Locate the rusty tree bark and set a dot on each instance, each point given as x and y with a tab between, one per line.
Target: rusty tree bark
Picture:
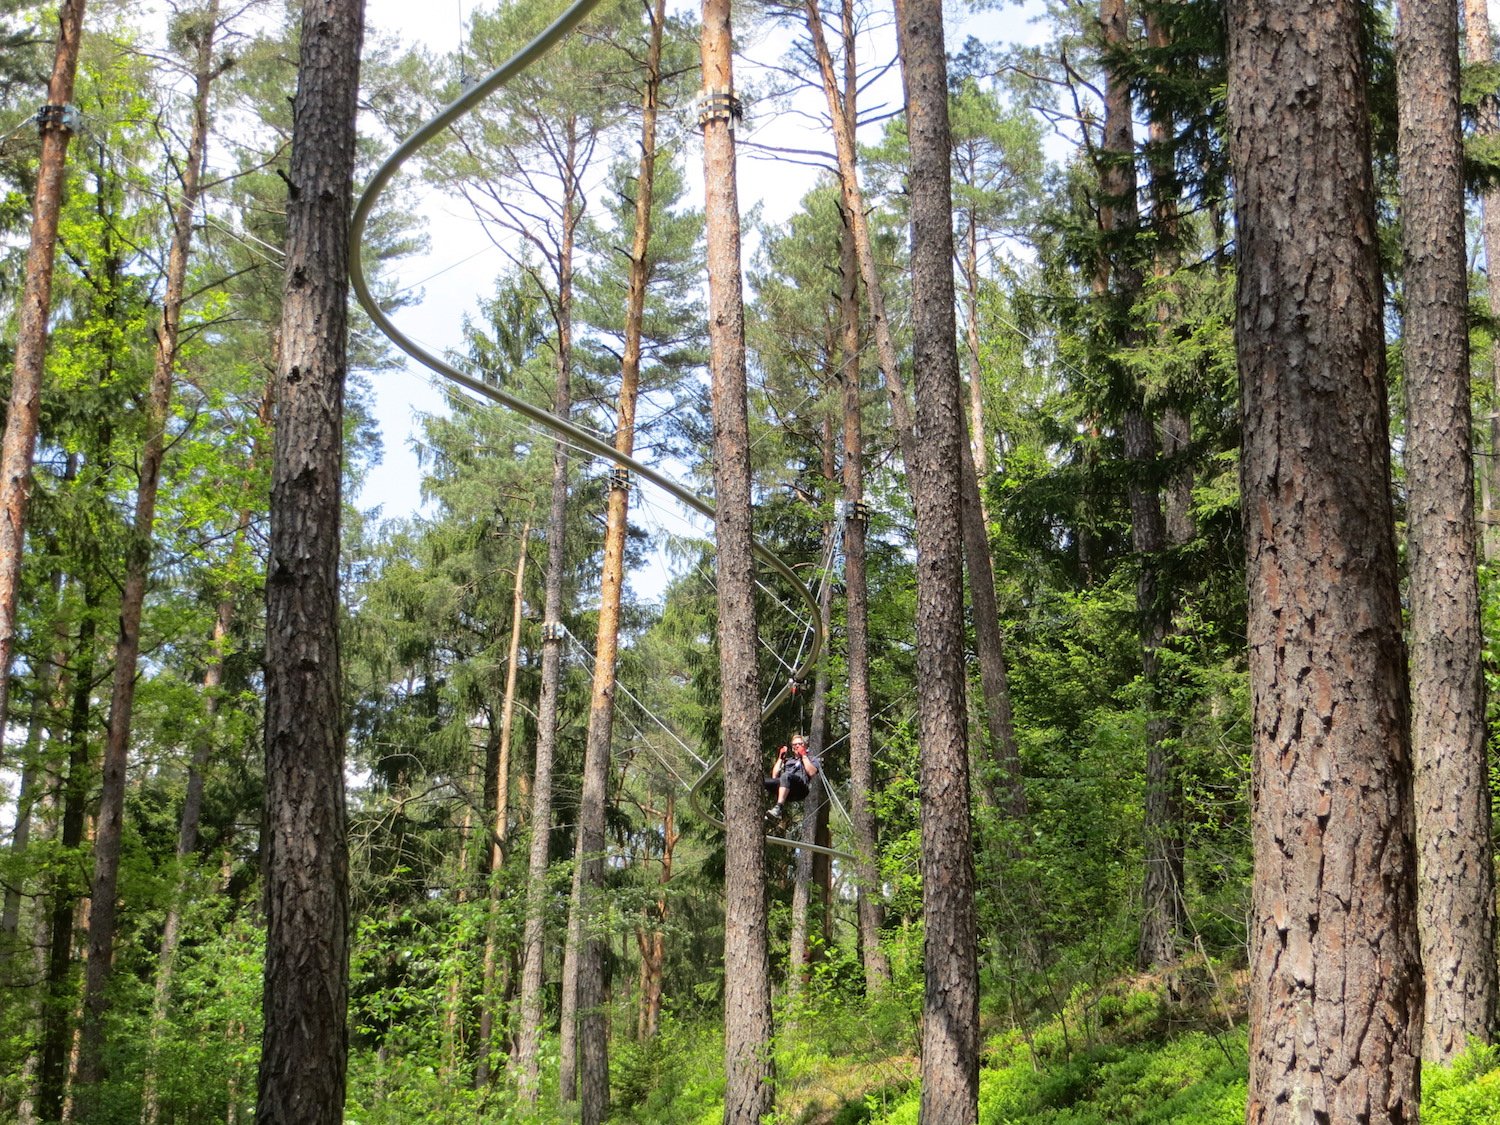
23	414
1336	998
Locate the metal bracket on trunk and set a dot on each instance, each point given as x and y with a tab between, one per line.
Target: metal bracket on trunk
719	105
51	116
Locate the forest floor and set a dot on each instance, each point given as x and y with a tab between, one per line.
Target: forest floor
1142	1050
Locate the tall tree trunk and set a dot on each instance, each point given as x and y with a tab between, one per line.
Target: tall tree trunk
748	1094
31	763
950	1009
989	641
799	955
593	1026
23	415
1480	46
651	937
1164	905
187	844
1336	994
305	1041
109	832
567	1072
857	631
52	1068
528	1042
500	827
1119	284
1455	873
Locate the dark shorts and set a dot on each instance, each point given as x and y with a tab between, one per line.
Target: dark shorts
796	786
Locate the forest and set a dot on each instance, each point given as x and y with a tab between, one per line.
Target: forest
1074	425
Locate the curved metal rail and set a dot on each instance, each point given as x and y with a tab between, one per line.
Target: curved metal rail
596	445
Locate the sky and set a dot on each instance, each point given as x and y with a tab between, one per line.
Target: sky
460	266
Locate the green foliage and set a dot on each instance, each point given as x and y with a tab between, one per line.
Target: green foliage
1466	1093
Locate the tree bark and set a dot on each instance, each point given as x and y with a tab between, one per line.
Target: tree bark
187	844
500	825
1455	873
593	1026
1336	995
305	1040
988	637
651	937
814	808
62	995
950	1008
567	1074
857	633
748	1095
1477	38
109	831
23	414
547	710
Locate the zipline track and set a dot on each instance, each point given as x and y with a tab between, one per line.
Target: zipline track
596	445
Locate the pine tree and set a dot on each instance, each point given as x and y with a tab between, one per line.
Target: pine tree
1455	878
1335	1004
304	1044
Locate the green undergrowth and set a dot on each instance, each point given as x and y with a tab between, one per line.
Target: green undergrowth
1120	1054
1149	1069
1124	1055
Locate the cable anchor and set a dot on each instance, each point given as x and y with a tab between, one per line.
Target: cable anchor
856	510
619	477
719	104
53	116
553	631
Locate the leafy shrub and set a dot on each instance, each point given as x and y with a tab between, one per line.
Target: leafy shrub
1466	1093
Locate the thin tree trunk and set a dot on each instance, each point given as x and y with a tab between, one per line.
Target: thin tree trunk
1477	37
857	632
528	1043
31	764
1119	283
187	844
304	1043
990	644
23	414
950	1009
500	829
1455	873
52	1069
453	1002
567	1071
1336	992
749	1094
109	832
651	938
593	1026
799	956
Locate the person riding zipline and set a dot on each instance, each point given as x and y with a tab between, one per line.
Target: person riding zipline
791	776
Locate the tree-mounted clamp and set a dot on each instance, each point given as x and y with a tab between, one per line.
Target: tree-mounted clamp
553	631
619	478
719	104
63	117
856	510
